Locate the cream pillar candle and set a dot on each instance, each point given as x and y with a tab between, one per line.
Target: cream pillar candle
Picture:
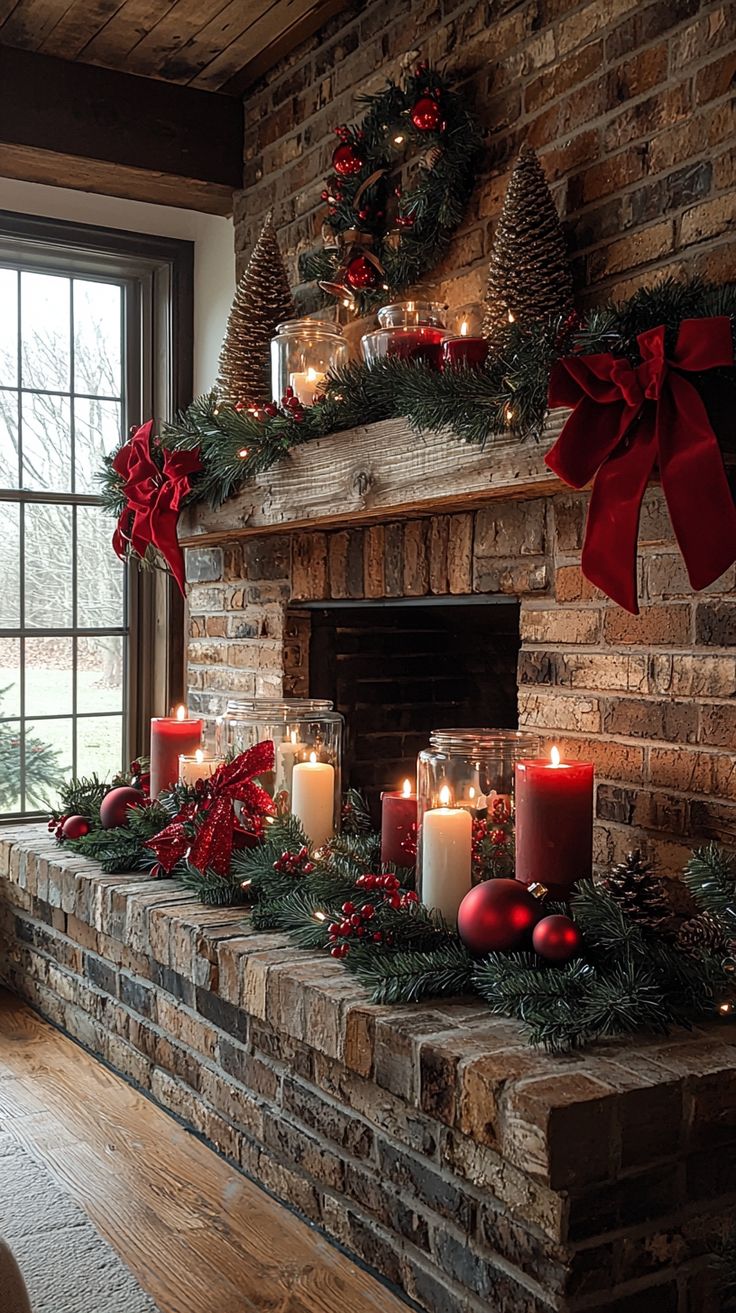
313	798
197	767
307	385
447	837
287	754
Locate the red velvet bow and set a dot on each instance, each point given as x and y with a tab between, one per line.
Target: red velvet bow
154	498
628	419
212	845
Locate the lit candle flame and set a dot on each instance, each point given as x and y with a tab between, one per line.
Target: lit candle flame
406	788
555	755
313	758
311	375
445	796
464	328
181	712
199	756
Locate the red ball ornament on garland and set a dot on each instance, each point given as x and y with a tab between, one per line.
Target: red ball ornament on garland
115	804
426	114
497	915
75	827
360	273
347	160
556	939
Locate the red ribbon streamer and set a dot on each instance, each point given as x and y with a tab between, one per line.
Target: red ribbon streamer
212	845
154	498
629	419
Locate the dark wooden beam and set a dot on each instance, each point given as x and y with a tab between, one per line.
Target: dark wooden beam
116	133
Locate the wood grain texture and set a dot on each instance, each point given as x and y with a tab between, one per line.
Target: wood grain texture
196	1234
376	473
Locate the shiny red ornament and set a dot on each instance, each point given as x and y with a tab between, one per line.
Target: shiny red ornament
426	114
360	273
497	915
115	804
347	160
75	827
556	939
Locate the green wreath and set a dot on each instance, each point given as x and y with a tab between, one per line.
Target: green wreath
379	239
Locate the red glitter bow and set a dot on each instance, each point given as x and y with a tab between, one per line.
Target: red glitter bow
212	845
154	498
626	421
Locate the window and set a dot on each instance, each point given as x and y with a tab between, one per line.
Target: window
81	337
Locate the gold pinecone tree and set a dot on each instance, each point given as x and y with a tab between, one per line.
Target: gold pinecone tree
262	300
529	278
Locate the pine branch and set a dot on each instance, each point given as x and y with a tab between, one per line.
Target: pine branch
212	889
710	875
401	976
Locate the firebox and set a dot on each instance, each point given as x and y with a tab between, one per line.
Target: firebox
397	670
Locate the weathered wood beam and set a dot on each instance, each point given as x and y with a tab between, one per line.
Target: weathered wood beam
99	130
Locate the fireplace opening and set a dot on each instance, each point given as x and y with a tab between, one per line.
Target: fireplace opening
397	670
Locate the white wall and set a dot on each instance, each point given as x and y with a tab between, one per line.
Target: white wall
214	258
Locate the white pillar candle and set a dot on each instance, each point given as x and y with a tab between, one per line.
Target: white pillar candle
287	754
313	798
197	767
307	384
447	841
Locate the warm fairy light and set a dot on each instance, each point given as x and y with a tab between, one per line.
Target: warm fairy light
181	712
313	758
512	317
243	453
406	788
554	755
320	916
724	1007
199	756
399	139
508	414
445	796
471	793
464	328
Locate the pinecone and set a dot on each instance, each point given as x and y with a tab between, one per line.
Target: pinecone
262	300
703	931
642	894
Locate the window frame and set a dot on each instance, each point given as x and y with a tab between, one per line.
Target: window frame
158	309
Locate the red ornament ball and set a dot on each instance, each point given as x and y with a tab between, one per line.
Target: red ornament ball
347	160
360	273
426	114
75	827
115	804
497	915
556	938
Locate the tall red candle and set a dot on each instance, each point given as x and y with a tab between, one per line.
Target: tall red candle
554	823
172	737
399	826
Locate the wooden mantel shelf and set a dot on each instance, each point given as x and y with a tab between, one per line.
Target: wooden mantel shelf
378	472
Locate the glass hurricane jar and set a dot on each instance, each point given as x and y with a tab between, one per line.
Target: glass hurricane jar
465	811
302	354
307	738
410	330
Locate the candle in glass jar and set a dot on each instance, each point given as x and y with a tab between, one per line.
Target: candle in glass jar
398	826
172	737
197	767
313	798
554	822
287	753
464	351
447	839
307	384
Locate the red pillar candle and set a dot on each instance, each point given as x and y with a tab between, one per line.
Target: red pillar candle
172	737
554	823
464	352
399	826
421	342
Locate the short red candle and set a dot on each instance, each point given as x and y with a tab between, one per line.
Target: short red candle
421	342
171	737
554	823
464	352
398	827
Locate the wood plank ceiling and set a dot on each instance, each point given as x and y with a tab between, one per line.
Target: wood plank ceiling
215	45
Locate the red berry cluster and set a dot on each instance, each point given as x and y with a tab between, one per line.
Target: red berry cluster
355	925
56	826
292	405
389	885
298	863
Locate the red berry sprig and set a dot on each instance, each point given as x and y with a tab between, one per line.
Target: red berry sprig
355	924
296	864
56	827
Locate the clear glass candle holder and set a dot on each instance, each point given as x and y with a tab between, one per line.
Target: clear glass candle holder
464	777
410	330
307	736
302	354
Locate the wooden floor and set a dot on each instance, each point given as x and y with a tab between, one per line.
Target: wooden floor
198	1236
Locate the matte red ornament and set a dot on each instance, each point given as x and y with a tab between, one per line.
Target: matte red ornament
75	827
361	273
346	160
556	938
497	915
426	114
115	804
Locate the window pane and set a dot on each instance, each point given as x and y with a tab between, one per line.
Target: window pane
45	307
10	762
9	465
97	338
48	761
99	745
9	328
96	434
10	589
99	572
48	566
47	443
9	677
49	676
100	673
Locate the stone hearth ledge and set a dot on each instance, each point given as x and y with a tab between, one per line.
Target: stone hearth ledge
428	1139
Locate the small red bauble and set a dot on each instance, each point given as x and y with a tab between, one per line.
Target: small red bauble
556	938
360	272
115	804
497	915
426	114
75	827
346	160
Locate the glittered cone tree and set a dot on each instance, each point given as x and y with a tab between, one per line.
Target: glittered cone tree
262	300
529	279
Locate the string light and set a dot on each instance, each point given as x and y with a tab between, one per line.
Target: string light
319	916
512	317
508	414
724	1007
399	139
243	453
